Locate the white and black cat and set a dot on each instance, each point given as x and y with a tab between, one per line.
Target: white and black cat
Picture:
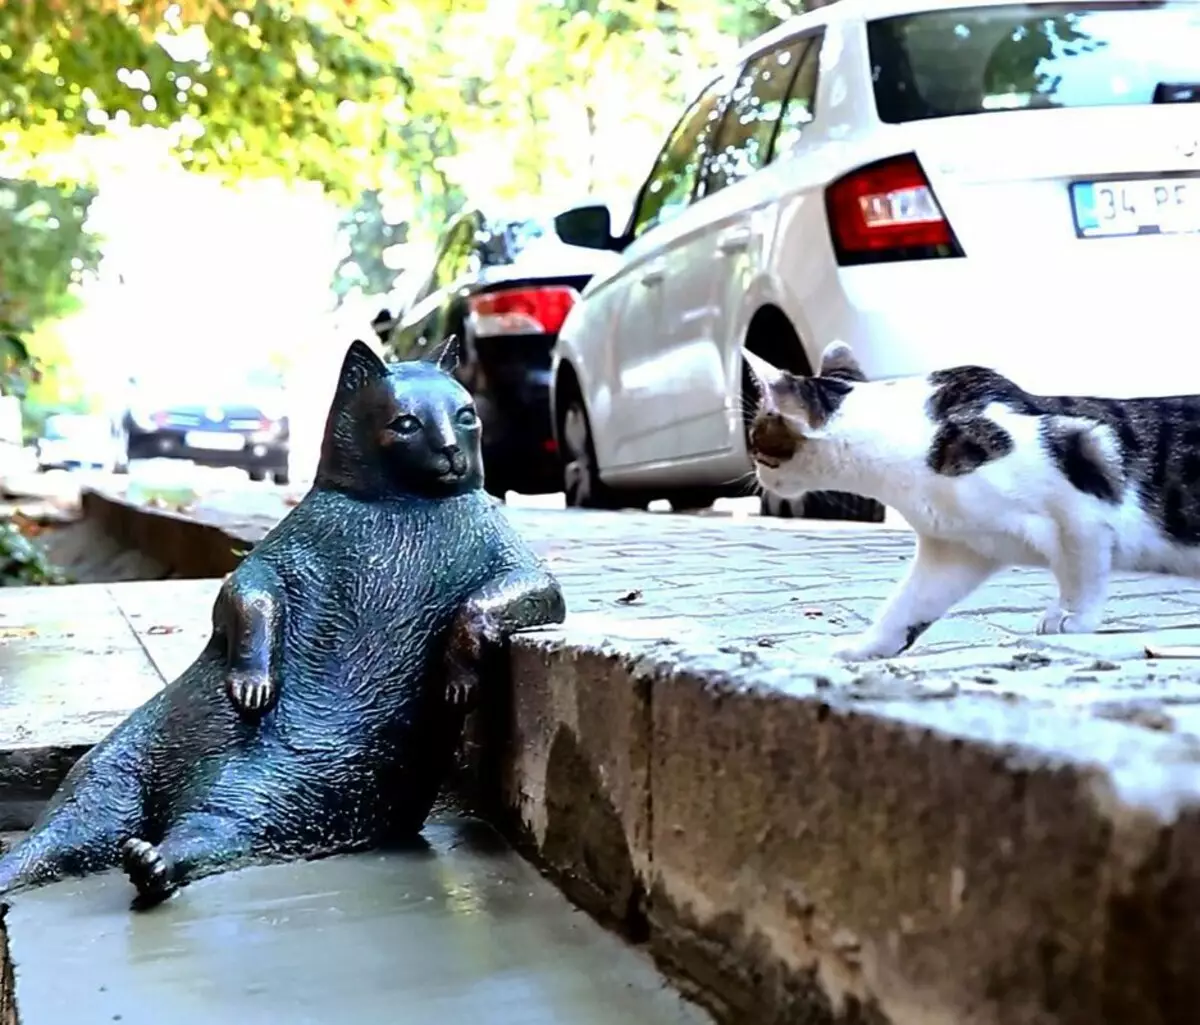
988	476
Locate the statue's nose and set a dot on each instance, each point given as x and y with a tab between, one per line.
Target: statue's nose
454	460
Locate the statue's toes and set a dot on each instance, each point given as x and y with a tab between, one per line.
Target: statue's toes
146	870
461	688
251	692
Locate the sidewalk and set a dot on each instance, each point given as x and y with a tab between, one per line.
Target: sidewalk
996	827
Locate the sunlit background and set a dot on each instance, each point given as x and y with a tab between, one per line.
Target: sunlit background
253	177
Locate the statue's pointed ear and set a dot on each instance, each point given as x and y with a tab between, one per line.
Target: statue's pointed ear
360	368
446	355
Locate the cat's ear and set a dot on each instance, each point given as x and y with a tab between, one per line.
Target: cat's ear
361	367
446	355
838	361
765	378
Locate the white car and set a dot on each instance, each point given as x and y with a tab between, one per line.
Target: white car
81	441
931	181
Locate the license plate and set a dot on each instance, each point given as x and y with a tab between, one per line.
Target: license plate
1136	206
214	441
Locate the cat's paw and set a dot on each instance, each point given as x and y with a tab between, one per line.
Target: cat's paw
147	870
1056	620
251	691
862	647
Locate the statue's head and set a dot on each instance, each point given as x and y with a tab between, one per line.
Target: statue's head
402	429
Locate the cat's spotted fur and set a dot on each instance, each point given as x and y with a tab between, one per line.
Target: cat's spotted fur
989	476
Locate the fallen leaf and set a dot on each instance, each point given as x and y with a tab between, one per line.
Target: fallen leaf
1179	651
156	630
632	598
10	632
292	499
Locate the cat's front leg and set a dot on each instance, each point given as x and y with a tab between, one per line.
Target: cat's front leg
517	600
249	615
1083	567
941	574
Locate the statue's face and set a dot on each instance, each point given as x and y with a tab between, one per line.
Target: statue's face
427	431
405	429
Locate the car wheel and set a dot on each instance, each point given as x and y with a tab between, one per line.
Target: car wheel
258	476
281	477
690	501
581	479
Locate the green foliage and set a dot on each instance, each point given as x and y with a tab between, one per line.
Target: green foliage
23	562
246	87
45	249
367	233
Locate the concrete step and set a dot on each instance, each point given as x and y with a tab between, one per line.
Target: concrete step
463	930
997	827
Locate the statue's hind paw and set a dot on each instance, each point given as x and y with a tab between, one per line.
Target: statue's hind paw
146	870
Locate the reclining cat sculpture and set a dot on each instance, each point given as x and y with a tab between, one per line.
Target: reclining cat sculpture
324	712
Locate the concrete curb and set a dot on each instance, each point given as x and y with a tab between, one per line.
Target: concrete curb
188	547
795	850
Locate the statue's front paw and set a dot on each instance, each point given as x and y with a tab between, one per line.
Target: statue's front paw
146	870
251	691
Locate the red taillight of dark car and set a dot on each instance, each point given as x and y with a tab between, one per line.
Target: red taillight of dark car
521	311
886	211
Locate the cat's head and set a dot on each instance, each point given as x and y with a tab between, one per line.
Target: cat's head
402	429
792	411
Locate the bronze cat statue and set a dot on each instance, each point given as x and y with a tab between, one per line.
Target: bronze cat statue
324	713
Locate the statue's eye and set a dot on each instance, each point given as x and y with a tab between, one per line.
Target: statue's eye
467	417
405	424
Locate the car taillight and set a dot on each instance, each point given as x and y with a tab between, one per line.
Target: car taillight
521	311
887	211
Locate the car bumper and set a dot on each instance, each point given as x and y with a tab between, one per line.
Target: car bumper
1111	327
255	453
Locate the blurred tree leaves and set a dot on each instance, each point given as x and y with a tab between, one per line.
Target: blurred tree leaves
246	87
45	249
369	233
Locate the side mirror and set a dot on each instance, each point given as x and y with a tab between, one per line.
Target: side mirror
587	226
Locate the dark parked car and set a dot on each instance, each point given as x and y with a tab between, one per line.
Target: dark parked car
503	285
242	425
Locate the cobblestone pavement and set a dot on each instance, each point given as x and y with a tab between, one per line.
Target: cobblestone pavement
792	585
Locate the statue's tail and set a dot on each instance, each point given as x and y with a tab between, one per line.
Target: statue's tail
70	839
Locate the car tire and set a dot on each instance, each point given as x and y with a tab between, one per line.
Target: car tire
281	477
691	501
494	484
582	485
258	476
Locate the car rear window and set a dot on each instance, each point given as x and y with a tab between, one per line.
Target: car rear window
974	60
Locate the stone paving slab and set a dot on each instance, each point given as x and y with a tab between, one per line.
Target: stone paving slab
462	930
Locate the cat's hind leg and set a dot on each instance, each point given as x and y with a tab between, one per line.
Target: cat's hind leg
941	574
197	845
1083	567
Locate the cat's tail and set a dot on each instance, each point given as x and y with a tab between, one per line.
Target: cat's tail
60	847
80	831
